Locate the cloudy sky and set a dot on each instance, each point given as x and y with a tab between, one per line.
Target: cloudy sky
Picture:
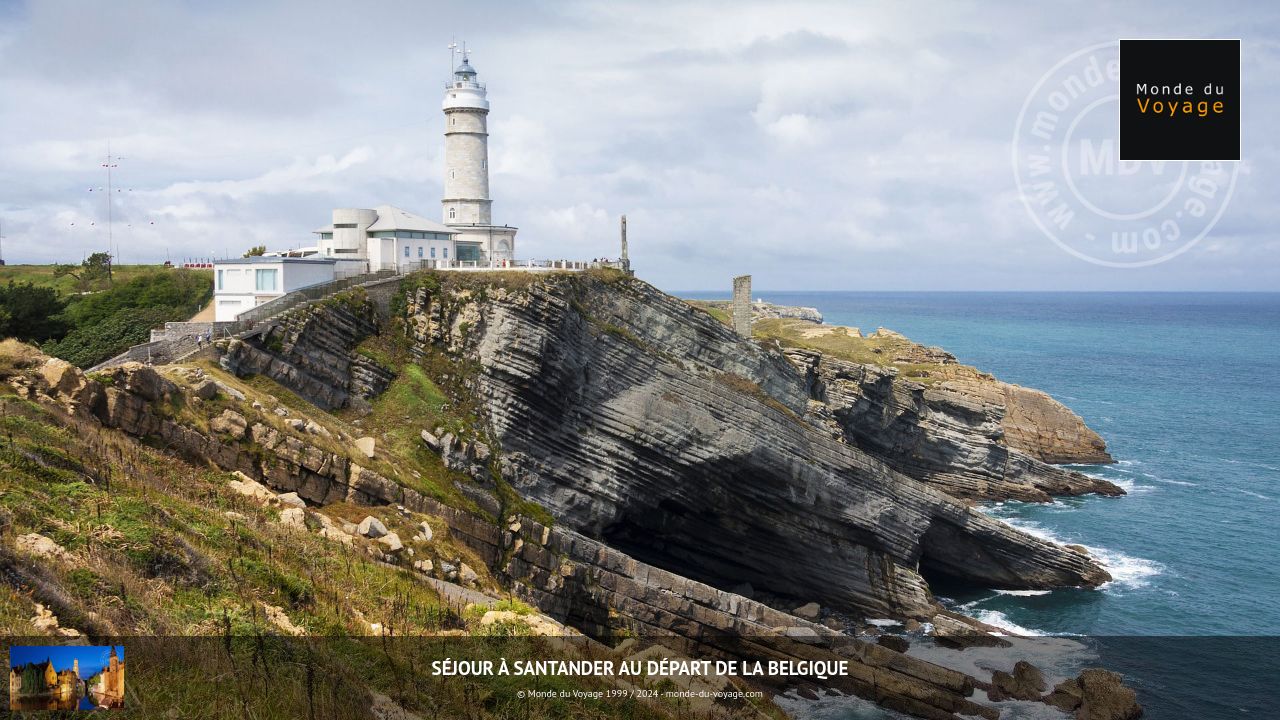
815	145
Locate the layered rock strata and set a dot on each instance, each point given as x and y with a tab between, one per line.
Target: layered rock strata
310	350
639	421
951	434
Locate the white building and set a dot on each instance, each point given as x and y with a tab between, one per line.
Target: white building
387	238
245	283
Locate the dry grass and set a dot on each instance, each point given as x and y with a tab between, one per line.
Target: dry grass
16	356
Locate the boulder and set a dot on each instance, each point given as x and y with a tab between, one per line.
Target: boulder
228	390
1066	695
293	517
392	541
146	382
466	575
41	546
230	423
45	621
206	390
1104	697
371	527
423	566
264	435
809	611
250	488
424	531
291	499
1026	682
431	440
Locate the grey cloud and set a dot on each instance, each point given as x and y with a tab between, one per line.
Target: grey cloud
816	144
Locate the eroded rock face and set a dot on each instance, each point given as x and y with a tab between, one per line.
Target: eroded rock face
310	350
1046	430
951	433
637	420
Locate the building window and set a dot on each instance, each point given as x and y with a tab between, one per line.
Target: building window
265	280
452	175
345	225
326	236
219	279
419	251
453	121
453	213
446	253
433	253
406	251
484	164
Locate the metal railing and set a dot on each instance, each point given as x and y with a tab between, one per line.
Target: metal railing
306	294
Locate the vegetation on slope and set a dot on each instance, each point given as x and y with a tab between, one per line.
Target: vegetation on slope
107	323
230	612
38	305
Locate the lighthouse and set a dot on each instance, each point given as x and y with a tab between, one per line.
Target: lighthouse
466	205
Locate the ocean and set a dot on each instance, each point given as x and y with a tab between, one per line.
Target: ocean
1185	389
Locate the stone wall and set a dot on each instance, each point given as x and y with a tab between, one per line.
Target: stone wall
182	330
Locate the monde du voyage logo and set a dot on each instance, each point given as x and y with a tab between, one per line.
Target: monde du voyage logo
1124	151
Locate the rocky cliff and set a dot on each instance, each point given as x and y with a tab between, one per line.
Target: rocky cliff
309	351
950	434
676	459
647	424
1023	419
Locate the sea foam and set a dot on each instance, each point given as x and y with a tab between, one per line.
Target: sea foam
1127	572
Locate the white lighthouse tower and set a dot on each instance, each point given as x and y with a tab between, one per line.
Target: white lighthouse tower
466	204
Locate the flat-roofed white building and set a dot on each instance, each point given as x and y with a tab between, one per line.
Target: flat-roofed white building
389	238
245	283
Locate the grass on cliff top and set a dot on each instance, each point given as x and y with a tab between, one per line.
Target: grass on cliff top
884	350
435	280
718	309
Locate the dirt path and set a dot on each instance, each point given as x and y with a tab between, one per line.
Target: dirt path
206	314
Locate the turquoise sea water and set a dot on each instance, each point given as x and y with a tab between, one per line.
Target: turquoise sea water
1185	388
